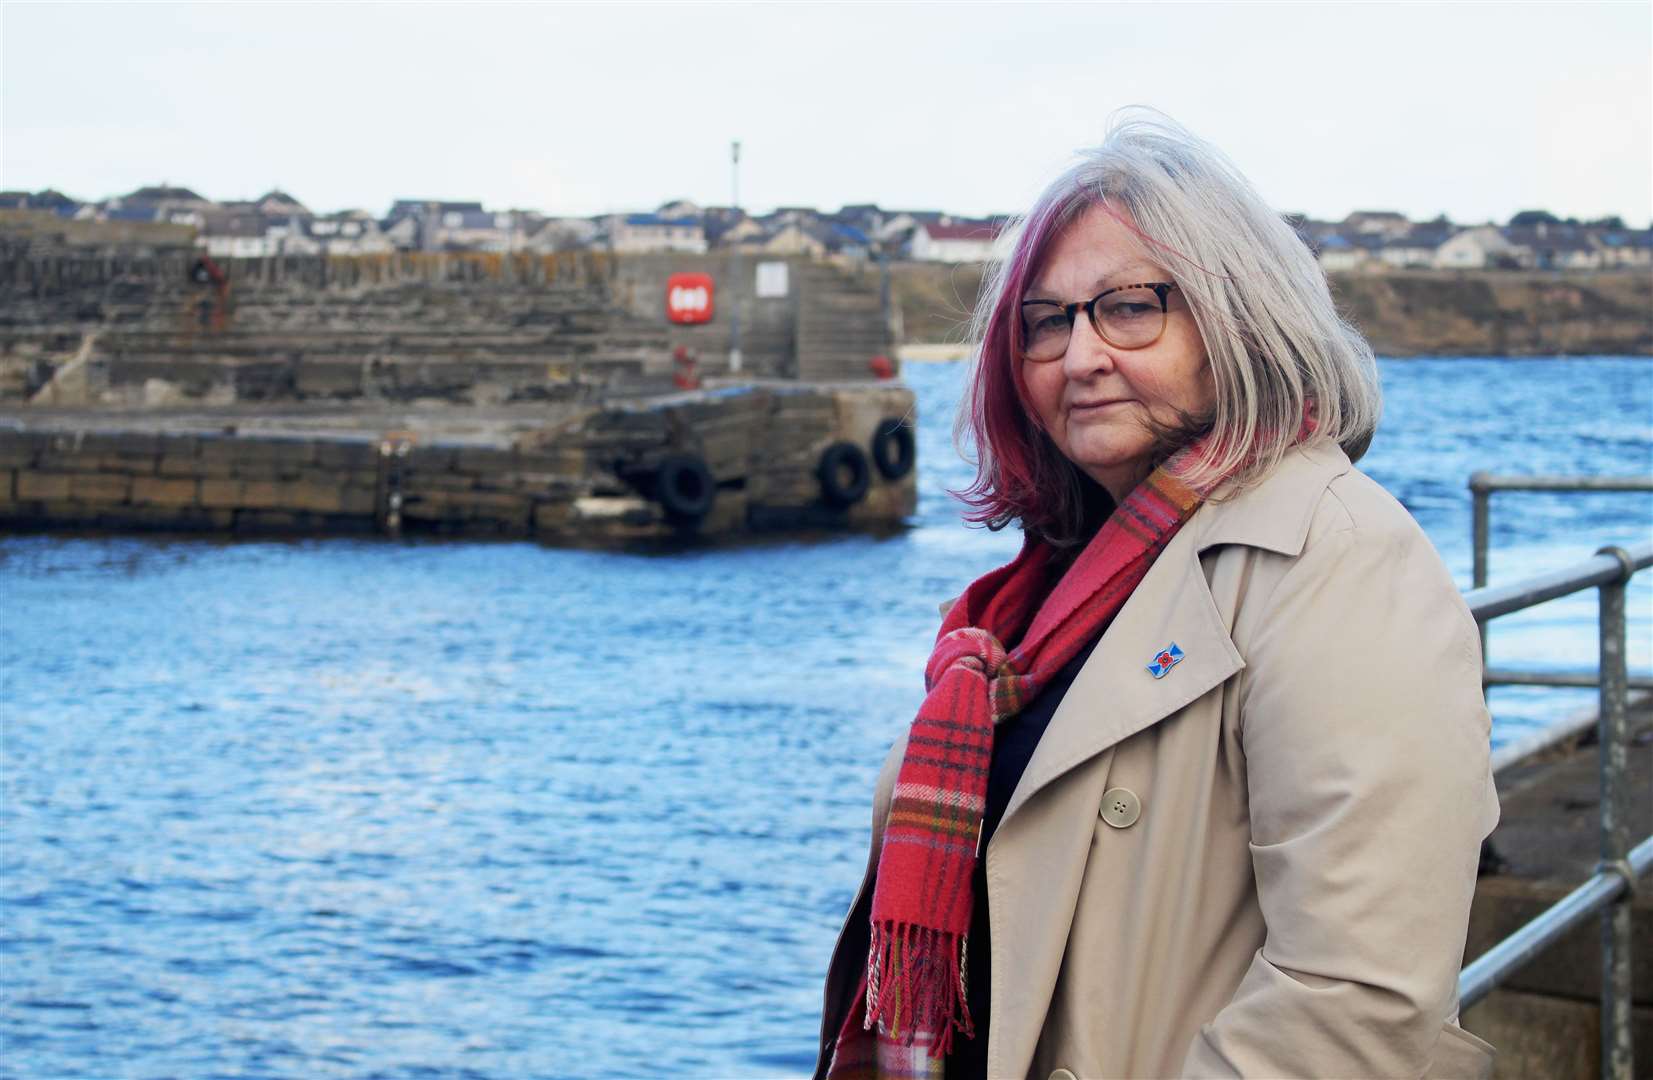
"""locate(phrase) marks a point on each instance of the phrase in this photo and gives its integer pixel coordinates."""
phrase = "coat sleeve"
(1365, 735)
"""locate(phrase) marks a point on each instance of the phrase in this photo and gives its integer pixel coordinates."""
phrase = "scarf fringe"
(905, 992)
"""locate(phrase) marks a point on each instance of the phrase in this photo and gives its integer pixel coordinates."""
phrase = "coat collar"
(1274, 513)
(1173, 604)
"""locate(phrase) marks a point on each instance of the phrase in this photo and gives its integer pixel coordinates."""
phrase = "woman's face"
(1093, 399)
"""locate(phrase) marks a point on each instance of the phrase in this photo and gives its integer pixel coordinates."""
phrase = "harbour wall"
(461, 328)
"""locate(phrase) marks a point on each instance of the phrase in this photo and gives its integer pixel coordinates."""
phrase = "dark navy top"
(1013, 744)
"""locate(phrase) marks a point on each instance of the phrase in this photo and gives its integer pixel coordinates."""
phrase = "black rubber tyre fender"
(893, 448)
(844, 473)
(684, 486)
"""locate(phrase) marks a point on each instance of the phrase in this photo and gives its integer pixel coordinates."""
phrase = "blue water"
(361, 809)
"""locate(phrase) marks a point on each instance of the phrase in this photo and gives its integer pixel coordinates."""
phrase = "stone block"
(120, 443)
(178, 446)
(348, 455)
(567, 461)
(358, 499)
(166, 518)
(1572, 966)
(99, 487)
(321, 498)
(1539, 1037)
(553, 485)
(727, 454)
(727, 516)
(553, 519)
(503, 508)
(163, 491)
(167, 465)
(100, 463)
(17, 449)
(433, 506)
(426, 480)
(263, 495)
(66, 512)
(483, 460)
(243, 451)
(329, 377)
(270, 521)
(220, 493)
(430, 459)
(32, 485)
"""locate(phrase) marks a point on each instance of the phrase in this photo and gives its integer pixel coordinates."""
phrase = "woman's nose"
(1087, 353)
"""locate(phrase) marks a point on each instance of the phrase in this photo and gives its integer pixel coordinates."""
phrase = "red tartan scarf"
(914, 985)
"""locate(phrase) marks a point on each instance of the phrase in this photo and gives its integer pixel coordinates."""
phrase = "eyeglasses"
(1125, 316)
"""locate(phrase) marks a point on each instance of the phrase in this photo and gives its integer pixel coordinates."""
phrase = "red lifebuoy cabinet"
(689, 298)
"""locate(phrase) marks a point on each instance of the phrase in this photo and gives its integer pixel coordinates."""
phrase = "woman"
(1200, 782)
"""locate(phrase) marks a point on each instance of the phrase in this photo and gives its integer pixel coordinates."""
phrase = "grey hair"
(1277, 347)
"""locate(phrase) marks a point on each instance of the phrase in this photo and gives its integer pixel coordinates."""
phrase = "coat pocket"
(1460, 1056)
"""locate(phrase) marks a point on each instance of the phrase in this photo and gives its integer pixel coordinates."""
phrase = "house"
(1418, 246)
(176, 205)
(730, 231)
(561, 234)
(1387, 223)
(955, 242)
(50, 199)
(438, 225)
(347, 232)
(277, 203)
(237, 234)
(786, 214)
(781, 238)
(847, 241)
(898, 225)
(1476, 249)
(1340, 251)
(640, 233)
(1626, 247)
(680, 208)
(865, 217)
(474, 230)
(1555, 247)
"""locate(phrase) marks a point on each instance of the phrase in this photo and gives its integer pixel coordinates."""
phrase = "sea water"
(343, 808)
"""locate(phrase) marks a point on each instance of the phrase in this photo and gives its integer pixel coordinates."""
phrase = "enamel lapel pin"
(1165, 660)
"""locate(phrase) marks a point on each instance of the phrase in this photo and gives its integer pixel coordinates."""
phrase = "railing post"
(1617, 1052)
(1481, 494)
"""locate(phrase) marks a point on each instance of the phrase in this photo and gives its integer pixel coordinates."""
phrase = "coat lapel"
(1115, 696)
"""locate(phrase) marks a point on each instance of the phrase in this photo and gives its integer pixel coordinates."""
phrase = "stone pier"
(741, 458)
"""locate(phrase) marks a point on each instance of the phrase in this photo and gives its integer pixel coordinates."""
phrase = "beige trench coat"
(1260, 864)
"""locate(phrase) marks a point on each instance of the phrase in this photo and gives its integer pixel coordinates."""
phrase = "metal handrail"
(1481, 487)
(1609, 889)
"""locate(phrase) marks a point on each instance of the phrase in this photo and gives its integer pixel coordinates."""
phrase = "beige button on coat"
(1313, 783)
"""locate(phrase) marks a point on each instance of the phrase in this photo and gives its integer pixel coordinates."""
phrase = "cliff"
(1403, 313)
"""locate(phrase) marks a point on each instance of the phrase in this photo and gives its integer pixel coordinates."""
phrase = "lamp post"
(734, 294)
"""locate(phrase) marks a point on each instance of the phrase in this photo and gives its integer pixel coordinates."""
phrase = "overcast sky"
(1472, 110)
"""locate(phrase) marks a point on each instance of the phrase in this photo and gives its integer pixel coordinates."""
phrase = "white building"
(957, 242)
(1475, 249)
(643, 233)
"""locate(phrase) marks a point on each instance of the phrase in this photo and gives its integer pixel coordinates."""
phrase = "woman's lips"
(1092, 408)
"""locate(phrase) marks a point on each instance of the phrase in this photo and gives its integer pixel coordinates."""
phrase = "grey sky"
(1474, 110)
